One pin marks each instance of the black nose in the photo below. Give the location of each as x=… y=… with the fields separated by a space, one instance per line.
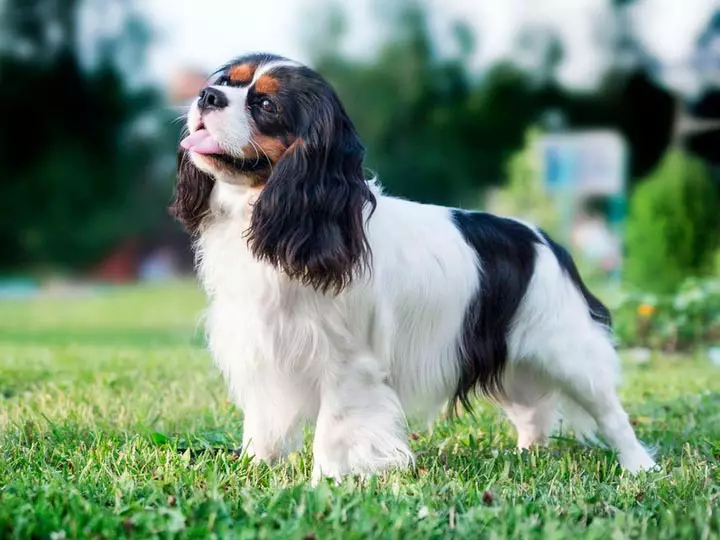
x=212 y=98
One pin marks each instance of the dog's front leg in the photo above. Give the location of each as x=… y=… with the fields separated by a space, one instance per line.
x=274 y=413
x=361 y=428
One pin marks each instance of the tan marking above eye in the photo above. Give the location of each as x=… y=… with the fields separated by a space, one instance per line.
x=267 y=84
x=242 y=74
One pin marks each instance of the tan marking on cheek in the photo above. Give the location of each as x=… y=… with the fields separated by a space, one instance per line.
x=242 y=74
x=267 y=84
x=273 y=148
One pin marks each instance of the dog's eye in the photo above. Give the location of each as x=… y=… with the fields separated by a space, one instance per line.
x=267 y=106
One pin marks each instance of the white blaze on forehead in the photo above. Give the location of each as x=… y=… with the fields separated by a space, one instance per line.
x=270 y=66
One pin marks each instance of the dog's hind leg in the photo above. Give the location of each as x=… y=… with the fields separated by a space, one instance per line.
x=557 y=333
x=585 y=373
x=530 y=403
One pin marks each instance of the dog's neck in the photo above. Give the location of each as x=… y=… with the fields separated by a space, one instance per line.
x=234 y=200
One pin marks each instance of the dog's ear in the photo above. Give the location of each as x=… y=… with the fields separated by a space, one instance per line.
x=192 y=193
x=309 y=219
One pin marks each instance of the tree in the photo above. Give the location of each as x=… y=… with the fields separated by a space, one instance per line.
x=432 y=132
x=71 y=162
x=706 y=108
x=673 y=228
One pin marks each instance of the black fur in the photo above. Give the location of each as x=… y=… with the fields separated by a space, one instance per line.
x=507 y=253
x=260 y=163
x=192 y=193
x=598 y=311
x=308 y=220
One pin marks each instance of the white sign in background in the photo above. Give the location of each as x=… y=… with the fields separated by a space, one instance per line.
x=585 y=163
x=578 y=165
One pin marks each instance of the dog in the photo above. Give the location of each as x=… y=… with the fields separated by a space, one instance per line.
x=334 y=304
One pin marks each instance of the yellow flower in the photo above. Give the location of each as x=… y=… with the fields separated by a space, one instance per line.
x=645 y=310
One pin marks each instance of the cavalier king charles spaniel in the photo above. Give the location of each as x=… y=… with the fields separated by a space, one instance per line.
x=334 y=304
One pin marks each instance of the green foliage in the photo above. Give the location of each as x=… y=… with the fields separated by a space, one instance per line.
x=524 y=195
x=113 y=423
x=73 y=164
x=433 y=133
x=682 y=321
x=673 y=228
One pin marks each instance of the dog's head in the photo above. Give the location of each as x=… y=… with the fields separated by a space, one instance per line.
x=270 y=123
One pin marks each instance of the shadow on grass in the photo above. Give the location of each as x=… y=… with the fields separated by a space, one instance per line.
x=15 y=383
x=210 y=442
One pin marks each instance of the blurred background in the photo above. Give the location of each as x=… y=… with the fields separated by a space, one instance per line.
x=597 y=119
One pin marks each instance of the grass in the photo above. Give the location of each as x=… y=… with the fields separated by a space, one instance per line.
x=113 y=422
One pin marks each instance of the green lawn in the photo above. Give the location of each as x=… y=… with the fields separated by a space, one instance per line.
x=113 y=422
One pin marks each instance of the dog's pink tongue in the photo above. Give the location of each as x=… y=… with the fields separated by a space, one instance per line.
x=201 y=142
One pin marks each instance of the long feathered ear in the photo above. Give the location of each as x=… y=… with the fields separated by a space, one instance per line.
x=308 y=220
x=192 y=193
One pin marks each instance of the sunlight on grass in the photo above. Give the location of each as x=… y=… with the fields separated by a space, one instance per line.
x=114 y=422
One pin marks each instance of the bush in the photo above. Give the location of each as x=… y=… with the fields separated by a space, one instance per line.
x=524 y=196
x=671 y=322
x=673 y=228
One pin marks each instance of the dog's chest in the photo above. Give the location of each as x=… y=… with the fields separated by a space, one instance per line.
x=228 y=270
x=256 y=317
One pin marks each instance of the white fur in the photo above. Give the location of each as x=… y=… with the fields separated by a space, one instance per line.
x=275 y=64
x=359 y=365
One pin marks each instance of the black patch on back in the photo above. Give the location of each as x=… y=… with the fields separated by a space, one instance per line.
x=506 y=251
x=598 y=311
